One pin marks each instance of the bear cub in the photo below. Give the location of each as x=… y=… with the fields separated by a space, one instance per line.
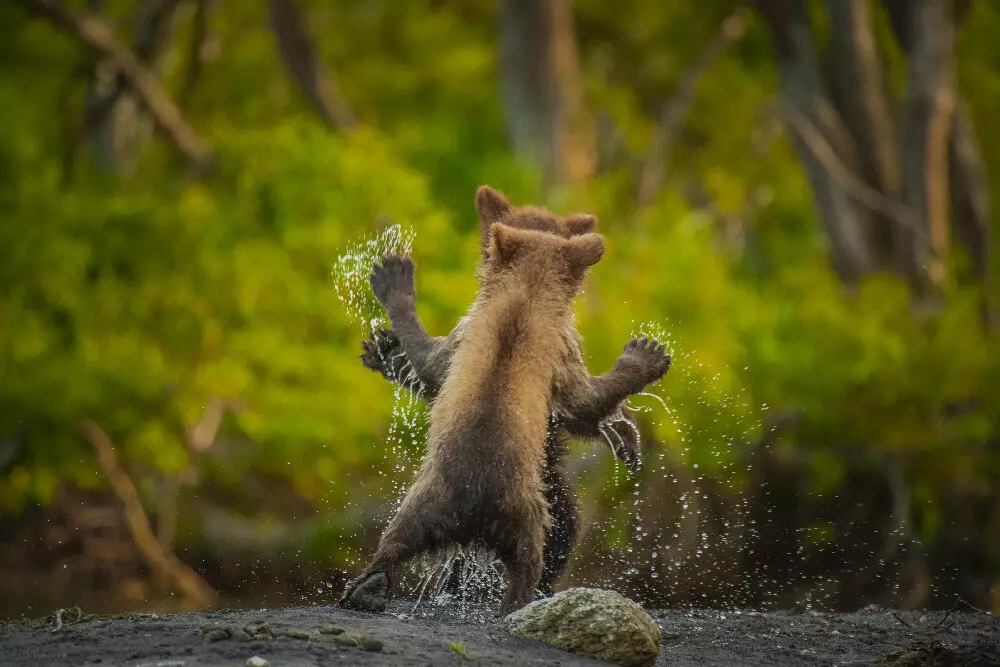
x=482 y=479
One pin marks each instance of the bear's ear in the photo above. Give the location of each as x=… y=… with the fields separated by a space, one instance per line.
x=503 y=243
x=584 y=251
x=580 y=223
x=491 y=206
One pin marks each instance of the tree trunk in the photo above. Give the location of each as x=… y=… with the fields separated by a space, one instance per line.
x=861 y=95
x=542 y=86
x=306 y=68
x=970 y=202
x=806 y=96
x=967 y=184
x=907 y=180
x=925 y=128
x=115 y=122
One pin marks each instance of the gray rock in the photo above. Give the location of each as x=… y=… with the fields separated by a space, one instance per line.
x=592 y=622
x=215 y=633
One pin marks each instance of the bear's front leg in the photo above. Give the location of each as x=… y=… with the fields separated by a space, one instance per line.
x=393 y=284
x=591 y=400
x=383 y=354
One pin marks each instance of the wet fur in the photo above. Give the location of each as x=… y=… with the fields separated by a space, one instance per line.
x=572 y=383
x=484 y=477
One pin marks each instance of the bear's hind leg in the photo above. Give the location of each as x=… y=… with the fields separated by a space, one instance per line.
x=520 y=545
x=561 y=537
x=414 y=530
x=524 y=569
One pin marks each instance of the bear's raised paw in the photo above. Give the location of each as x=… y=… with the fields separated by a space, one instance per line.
x=646 y=357
x=392 y=281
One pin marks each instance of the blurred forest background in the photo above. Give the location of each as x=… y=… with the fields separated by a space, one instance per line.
x=798 y=192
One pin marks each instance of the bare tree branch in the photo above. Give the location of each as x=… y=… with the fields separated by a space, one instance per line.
x=202 y=435
x=306 y=69
x=857 y=189
x=675 y=109
x=160 y=558
x=98 y=35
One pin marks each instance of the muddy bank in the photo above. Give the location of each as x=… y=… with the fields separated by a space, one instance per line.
x=439 y=636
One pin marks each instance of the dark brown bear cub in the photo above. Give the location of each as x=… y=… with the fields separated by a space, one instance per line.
x=482 y=478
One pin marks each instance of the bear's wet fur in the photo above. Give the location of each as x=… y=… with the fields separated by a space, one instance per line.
x=483 y=479
x=385 y=354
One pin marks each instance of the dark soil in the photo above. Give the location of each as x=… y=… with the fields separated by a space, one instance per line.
x=327 y=635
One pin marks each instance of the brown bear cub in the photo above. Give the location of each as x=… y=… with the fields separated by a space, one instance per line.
x=481 y=481
x=423 y=363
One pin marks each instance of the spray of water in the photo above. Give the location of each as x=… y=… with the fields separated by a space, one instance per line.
x=666 y=530
x=469 y=578
x=350 y=273
x=352 y=268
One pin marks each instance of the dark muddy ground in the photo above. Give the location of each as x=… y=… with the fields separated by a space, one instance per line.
x=437 y=636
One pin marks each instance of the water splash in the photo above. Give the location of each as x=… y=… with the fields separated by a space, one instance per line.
x=407 y=429
x=352 y=268
x=663 y=530
x=471 y=577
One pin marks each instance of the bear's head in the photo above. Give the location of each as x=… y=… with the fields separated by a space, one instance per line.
x=493 y=207
x=543 y=263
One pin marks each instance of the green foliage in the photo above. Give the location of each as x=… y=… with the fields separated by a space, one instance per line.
x=133 y=302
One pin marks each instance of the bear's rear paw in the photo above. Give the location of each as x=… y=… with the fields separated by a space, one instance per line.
x=370 y=593
x=392 y=281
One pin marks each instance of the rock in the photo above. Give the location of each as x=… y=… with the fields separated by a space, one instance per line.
x=331 y=630
x=294 y=633
x=592 y=622
x=349 y=638
x=259 y=630
x=373 y=645
x=257 y=661
x=211 y=633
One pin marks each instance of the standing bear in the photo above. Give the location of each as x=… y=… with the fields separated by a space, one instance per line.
x=482 y=480
x=423 y=362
